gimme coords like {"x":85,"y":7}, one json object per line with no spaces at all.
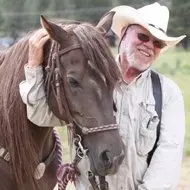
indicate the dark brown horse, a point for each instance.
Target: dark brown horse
{"x":79,"y":74}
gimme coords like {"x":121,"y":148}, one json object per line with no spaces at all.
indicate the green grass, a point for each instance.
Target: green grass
{"x":65,"y":143}
{"x":175,"y":64}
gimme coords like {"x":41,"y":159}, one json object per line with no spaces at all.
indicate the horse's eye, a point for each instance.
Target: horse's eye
{"x":114,"y":107}
{"x":73,"y":82}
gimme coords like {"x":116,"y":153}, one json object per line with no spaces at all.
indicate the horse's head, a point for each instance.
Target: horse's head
{"x":79,"y":80}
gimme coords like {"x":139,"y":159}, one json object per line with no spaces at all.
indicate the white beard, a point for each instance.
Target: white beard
{"x":134,"y":61}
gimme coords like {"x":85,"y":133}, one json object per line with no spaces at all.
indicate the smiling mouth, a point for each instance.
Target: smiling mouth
{"x":144,"y":53}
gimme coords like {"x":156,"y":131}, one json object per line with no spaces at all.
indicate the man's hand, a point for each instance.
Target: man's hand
{"x":36,"y":44}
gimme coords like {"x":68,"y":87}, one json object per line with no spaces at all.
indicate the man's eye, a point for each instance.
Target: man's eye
{"x":73,"y":82}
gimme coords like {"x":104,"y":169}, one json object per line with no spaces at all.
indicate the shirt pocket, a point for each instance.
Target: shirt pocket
{"x":146,"y":129}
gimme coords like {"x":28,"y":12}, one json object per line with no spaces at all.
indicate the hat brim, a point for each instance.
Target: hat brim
{"x":125,"y":16}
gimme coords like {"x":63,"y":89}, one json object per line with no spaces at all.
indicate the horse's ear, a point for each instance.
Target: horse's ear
{"x":105,"y":22}
{"x":55,"y":32}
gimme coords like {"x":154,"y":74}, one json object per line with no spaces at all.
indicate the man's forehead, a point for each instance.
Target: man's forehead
{"x":133,"y":27}
{"x":136,"y":27}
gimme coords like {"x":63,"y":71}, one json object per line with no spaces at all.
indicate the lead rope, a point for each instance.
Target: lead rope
{"x":65,"y":172}
{"x":59,"y":155}
{"x":92,"y":180}
{"x":70,"y":172}
{"x":103,"y":184}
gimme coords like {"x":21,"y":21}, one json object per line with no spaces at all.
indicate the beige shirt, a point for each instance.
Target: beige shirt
{"x":136,"y":108}
{"x":33,"y":95}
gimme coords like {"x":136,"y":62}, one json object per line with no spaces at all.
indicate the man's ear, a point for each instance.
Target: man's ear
{"x":55,"y":32}
{"x":105,"y":23}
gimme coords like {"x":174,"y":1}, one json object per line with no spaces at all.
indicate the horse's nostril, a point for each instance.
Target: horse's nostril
{"x":107,"y":159}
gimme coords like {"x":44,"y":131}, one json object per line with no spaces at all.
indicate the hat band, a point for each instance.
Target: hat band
{"x":157,"y":28}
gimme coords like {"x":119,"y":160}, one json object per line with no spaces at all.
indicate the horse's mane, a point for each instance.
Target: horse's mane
{"x":15,"y":130}
{"x":13,"y":119}
{"x":97,"y":50}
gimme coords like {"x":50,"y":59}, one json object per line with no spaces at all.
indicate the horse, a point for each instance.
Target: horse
{"x":79,"y":77}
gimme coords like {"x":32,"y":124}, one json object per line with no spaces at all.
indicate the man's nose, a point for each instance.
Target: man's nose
{"x":149,"y":44}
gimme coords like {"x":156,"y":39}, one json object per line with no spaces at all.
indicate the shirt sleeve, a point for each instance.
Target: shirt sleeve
{"x":33,"y":95}
{"x":163,"y":172}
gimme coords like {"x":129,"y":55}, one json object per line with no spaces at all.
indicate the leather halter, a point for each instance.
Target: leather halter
{"x":4,"y":154}
{"x":91,"y":130}
{"x":56,"y":59}
{"x":66,"y":170}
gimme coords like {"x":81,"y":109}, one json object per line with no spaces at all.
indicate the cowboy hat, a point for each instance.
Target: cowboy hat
{"x":153,"y":17}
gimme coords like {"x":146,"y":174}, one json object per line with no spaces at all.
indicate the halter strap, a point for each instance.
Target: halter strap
{"x":97,"y":129}
{"x":56,"y":57}
{"x":4,"y":154}
{"x":68,"y":49}
{"x":66,"y":170}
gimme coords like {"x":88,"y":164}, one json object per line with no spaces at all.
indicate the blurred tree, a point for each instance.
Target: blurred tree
{"x":19,"y":15}
{"x":90,"y":10}
{"x":10,"y":22}
{"x":135,"y":3}
{"x":32,"y":17}
{"x":179,"y":20}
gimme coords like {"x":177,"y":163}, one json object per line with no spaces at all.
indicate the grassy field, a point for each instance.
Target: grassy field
{"x":176,"y":65}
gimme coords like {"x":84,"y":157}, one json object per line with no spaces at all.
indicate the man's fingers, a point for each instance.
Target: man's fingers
{"x":36,"y":43}
{"x":41,"y":32}
{"x":43,"y":40}
{"x":38,"y":36}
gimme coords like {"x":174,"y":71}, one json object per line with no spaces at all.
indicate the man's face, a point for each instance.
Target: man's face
{"x":139,"y":48}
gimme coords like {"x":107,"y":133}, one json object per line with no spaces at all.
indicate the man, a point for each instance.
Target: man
{"x":143,"y":37}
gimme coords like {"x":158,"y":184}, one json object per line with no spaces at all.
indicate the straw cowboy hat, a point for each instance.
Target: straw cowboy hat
{"x":153,"y":17}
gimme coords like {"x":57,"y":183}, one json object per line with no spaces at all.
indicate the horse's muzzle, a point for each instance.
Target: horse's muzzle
{"x":109,"y":163}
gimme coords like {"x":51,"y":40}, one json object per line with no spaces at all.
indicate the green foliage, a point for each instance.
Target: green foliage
{"x":64,"y":140}
{"x":179,"y":19}
{"x":8,"y":21}
{"x":175,"y":64}
{"x":16,"y":16}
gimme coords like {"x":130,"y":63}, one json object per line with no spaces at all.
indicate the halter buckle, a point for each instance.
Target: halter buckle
{"x":80,"y":151}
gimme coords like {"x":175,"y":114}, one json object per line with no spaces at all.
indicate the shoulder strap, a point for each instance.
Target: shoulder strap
{"x":157,"y":93}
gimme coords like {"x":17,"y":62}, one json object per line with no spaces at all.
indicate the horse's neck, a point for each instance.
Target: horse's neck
{"x":44,"y":138}
{"x":2,"y":57}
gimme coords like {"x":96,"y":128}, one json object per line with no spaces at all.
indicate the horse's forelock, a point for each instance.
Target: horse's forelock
{"x":97,"y":50}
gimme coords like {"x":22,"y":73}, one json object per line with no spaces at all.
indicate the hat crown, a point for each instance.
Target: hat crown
{"x":154,"y":18}
{"x":155,"y":15}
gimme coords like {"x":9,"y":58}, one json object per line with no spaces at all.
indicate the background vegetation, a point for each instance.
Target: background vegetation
{"x":175,"y":64}
{"x":20,"y":16}
{"x":23,"y":15}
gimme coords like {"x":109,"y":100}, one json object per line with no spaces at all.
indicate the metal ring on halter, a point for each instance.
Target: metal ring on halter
{"x":81,"y":153}
{"x":77,"y":139}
